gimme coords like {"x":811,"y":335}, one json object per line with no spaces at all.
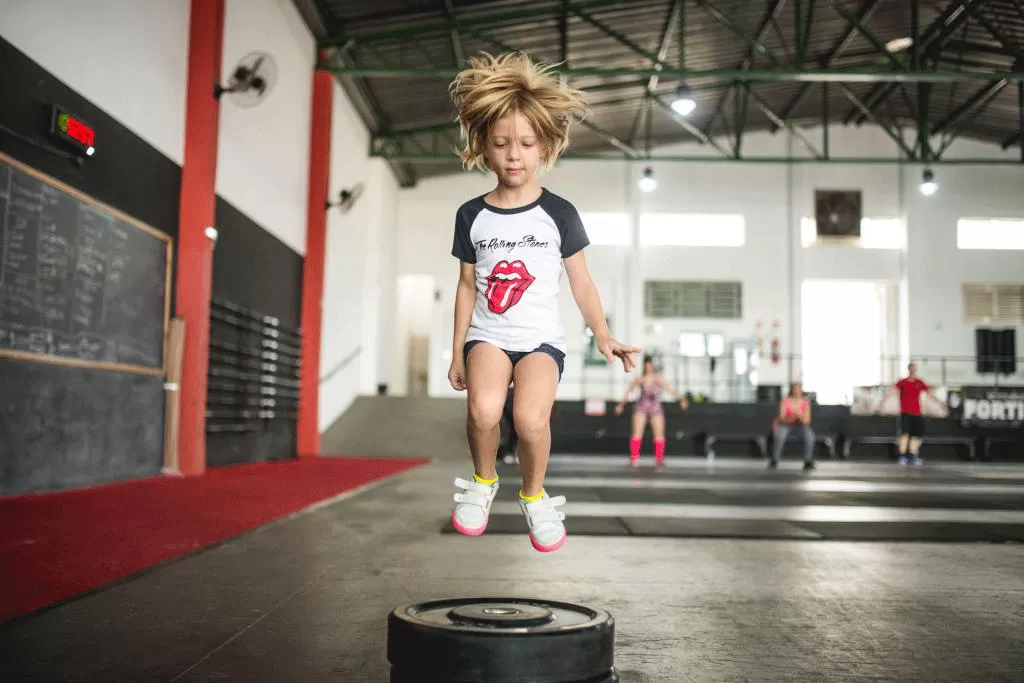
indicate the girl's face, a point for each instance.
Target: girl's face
{"x":798,"y":390}
{"x":649,"y":367}
{"x":513,"y":151}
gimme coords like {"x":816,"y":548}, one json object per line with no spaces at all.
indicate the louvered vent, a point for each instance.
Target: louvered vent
{"x":994,"y":304}
{"x":688,"y":299}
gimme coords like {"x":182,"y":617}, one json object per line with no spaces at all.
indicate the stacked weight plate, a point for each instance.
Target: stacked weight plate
{"x":500,"y":640}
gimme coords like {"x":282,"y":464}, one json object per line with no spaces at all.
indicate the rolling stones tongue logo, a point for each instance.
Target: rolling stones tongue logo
{"x":506,"y":284}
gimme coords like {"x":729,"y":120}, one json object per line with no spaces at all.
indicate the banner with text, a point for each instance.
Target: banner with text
{"x":988,"y":406}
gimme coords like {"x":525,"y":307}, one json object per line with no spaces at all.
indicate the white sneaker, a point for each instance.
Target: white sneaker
{"x":547,"y":533}
{"x":474,"y":506}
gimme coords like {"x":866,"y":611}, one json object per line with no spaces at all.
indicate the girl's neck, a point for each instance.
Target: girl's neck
{"x":505,"y":197}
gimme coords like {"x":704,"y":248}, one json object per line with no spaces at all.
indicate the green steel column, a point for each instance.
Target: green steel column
{"x":682,"y":36}
{"x":824,"y":119}
{"x":742,"y":95}
{"x":915,"y":34}
{"x":924,"y":120}
{"x":1020,"y":112}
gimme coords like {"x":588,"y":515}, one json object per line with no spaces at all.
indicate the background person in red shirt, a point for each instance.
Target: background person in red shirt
{"x":910,"y":389}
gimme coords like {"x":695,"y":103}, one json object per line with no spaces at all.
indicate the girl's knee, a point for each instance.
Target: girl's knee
{"x":485,"y":412}
{"x":531,"y":422}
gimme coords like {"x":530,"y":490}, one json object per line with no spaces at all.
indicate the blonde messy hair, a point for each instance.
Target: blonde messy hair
{"x":493,"y":87}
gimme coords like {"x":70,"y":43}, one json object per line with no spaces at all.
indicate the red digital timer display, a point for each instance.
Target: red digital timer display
{"x":74,"y":129}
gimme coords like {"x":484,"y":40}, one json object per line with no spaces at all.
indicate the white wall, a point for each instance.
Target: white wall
{"x":128,"y":57}
{"x":772,"y":264}
{"x":263,"y":159}
{"x":358,"y":266}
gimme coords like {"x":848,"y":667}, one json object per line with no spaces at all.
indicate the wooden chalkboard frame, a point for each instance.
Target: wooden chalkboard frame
{"x":135,"y":223}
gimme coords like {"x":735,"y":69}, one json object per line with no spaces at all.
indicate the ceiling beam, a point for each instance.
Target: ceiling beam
{"x":762,"y":75}
{"x":975,"y":104}
{"x":748,"y":60}
{"x":934,"y":37}
{"x":900,"y":142}
{"x":612,"y":140}
{"x":779,"y":122}
{"x":863,"y":14}
{"x":551,"y":9}
{"x":689,"y":127}
{"x":321,"y":24}
{"x":858,"y":24}
{"x":996,"y":32}
{"x":458,"y":56}
{"x":674,"y":17}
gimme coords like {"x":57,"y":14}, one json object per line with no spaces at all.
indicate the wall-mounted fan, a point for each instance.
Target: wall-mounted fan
{"x":251,"y":81}
{"x":347,"y":197}
{"x":837,"y":213}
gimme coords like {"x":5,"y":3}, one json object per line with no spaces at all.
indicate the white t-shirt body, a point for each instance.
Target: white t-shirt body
{"x":518,"y":258}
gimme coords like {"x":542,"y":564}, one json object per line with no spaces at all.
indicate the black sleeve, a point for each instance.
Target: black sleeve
{"x":462,"y":245}
{"x":570,"y":226}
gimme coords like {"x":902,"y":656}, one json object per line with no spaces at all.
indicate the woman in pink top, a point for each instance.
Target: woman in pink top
{"x":648,"y":407}
{"x":794,"y":413}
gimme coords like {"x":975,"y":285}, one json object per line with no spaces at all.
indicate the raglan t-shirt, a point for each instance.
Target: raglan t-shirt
{"x":518,"y":258}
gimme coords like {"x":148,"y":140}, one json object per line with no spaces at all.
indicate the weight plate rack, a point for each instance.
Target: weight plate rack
{"x":253,"y":377}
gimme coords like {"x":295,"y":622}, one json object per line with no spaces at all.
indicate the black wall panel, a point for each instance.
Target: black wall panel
{"x":62,"y":426}
{"x":255,"y":270}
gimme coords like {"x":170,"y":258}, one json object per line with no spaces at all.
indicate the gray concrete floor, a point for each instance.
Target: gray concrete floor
{"x":306,"y":599}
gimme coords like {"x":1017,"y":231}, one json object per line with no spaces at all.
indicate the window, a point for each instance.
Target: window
{"x":606,"y":228}
{"x":692,"y":230}
{"x":679,"y":299}
{"x":994,"y":304}
{"x":989,"y":233}
{"x":875,"y":233}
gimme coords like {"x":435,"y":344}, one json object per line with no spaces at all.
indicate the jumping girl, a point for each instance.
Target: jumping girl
{"x":513,"y":244}
{"x":648,"y":407}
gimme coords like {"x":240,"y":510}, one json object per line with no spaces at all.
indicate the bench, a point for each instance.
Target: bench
{"x":891,"y":440}
{"x":989,"y":440}
{"x":711,"y":439}
{"x":829,"y":442}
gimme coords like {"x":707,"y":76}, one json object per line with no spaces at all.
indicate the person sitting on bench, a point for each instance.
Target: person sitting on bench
{"x":794,"y":413}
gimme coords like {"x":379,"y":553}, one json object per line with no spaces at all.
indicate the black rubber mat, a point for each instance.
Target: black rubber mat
{"x":583,"y":526}
{"x":715,"y":528}
{"x":666,"y":527}
{"x":916,"y":531}
{"x":581,"y":495}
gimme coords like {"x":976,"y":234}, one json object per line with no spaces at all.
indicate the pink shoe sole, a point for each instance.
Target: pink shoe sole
{"x":464,"y":530}
{"x":549,"y":548}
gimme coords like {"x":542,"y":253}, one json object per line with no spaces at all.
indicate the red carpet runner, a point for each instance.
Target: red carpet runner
{"x":56,"y":545}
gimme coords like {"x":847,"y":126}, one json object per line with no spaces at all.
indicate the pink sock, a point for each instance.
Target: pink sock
{"x":634,"y":448}
{"x":659,"y":450}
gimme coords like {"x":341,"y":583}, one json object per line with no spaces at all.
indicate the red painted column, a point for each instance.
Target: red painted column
{"x":308,"y":437}
{"x":194,"y":274}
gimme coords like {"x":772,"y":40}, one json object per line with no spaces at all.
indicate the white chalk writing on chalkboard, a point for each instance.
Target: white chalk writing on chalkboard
{"x":77,"y":280}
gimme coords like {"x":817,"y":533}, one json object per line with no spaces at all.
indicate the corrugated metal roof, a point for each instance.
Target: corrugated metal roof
{"x":956,"y":35}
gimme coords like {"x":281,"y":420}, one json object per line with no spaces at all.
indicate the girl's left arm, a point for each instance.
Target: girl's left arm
{"x":670,"y":390}
{"x":589,"y":302}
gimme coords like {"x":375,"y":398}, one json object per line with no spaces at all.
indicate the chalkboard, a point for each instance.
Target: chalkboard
{"x":80,"y":283}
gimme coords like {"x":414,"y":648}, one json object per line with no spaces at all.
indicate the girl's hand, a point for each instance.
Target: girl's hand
{"x":619,"y":407}
{"x":611,"y":349}
{"x":684,"y":404}
{"x":457,"y":374}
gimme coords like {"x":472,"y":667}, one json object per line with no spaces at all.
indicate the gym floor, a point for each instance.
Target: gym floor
{"x":306,"y":599}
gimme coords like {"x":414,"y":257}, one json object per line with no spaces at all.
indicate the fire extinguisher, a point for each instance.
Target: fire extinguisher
{"x":776,"y":344}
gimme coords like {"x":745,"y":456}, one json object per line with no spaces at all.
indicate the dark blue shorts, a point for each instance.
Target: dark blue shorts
{"x":516,"y":356}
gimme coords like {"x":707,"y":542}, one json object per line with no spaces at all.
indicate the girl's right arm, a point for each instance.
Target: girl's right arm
{"x":629,"y":390}
{"x":465,"y":300}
